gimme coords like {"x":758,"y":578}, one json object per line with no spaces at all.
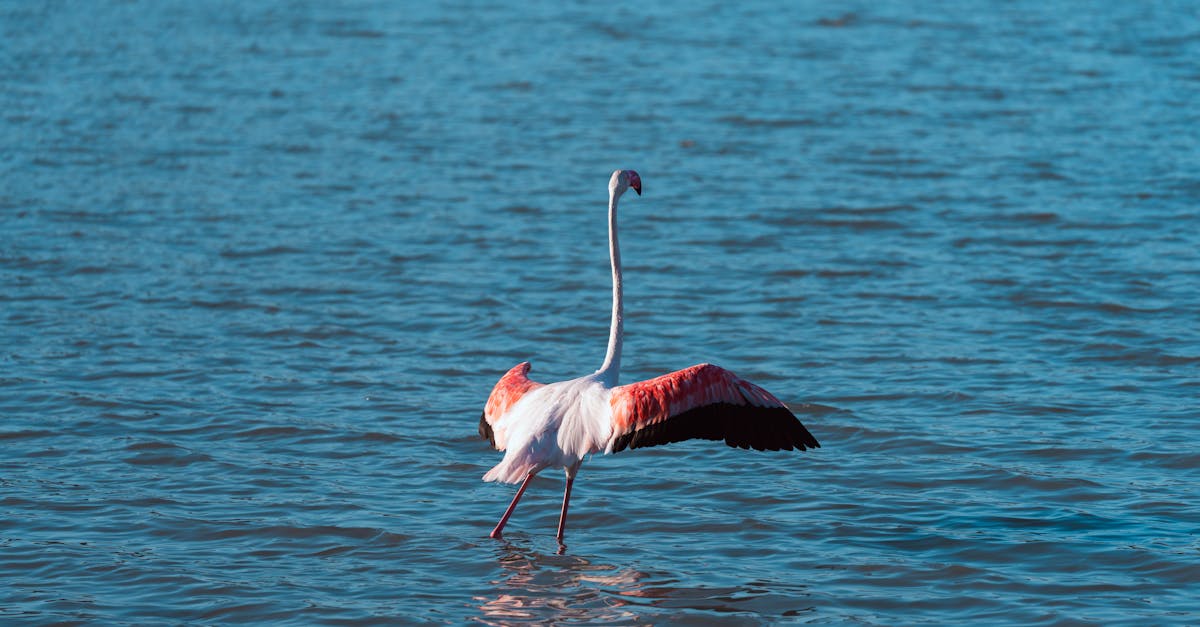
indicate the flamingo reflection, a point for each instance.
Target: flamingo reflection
{"x":538,"y":587}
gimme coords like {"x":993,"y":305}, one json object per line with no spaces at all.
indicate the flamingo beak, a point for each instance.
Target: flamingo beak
{"x":636,"y":184}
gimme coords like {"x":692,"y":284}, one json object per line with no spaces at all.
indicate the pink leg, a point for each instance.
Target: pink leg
{"x":500,"y":526}
{"x":562,"y":519}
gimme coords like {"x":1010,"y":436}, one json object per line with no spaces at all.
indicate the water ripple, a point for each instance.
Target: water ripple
{"x":260,"y":268}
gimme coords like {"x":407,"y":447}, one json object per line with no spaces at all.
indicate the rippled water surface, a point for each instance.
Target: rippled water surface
{"x":261,"y":263}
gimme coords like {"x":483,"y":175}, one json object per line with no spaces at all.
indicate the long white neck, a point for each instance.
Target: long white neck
{"x":612,"y":360}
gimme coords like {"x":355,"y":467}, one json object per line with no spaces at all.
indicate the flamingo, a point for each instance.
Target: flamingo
{"x":540,"y":426}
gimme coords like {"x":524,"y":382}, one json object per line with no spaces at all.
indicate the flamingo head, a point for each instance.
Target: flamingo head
{"x":624,"y":179}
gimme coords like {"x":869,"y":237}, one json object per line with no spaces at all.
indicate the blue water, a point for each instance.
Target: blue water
{"x":261,"y":263}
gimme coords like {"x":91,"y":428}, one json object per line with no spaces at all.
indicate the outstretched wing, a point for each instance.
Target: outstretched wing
{"x":706,"y":402}
{"x":508,"y":390}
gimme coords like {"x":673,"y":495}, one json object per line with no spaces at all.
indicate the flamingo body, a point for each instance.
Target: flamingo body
{"x":556,"y":425}
{"x":551,"y":426}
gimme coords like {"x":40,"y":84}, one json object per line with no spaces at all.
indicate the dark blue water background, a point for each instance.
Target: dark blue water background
{"x":260,"y":264}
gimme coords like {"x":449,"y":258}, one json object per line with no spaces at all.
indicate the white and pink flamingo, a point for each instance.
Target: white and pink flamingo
{"x":555,"y":425}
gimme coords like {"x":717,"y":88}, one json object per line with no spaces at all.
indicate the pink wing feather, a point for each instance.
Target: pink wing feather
{"x":703,"y":401}
{"x":508,"y":390}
